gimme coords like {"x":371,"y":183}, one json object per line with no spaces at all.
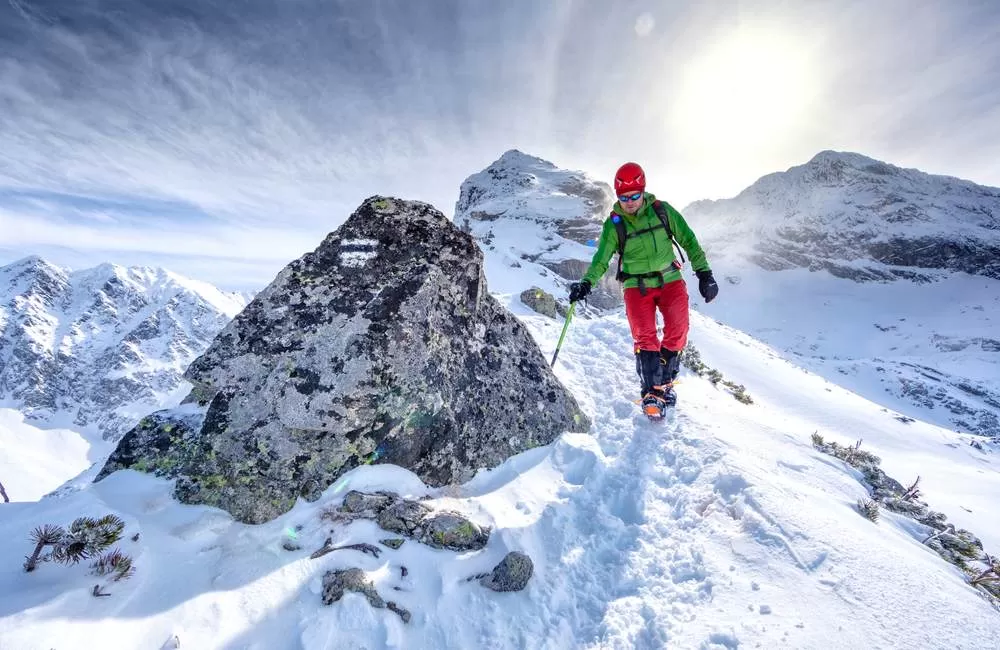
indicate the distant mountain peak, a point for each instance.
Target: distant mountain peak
{"x":516,"y":157}
{"x":527,"y":213}
{"x":847,"y":157}
{"x":31,"y":263}
{"x":102,"y":346}
{"x":858,"y":217}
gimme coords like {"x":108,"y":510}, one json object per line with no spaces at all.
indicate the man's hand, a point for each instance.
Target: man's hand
{"x":707,"y":286}
{"x":579,"y":290}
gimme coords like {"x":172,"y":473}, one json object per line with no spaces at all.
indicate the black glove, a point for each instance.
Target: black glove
{"x":707,"y":286}
{"x":579,"y":290}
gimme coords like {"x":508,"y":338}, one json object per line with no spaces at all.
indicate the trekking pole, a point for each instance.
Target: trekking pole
{"x":569,"y":317}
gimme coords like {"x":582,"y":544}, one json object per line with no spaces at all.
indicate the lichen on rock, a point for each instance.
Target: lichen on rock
{"x":381,"y":346}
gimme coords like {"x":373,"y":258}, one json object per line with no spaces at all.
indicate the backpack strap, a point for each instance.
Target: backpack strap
{"x":661,"y":212}
{"x":622,"y":236}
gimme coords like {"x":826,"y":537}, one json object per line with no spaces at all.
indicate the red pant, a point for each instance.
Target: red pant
{"x":672,"y":301}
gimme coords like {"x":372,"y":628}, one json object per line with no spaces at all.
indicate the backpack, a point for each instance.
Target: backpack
{"x":619,"y":225}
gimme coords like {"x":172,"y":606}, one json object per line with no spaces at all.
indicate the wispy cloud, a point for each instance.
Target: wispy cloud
{"x":131,"y":127}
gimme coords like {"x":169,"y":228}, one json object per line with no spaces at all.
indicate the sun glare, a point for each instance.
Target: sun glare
{"x":749,"y":89}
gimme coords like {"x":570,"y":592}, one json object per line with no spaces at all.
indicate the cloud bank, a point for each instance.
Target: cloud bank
{"x":224,"y":139}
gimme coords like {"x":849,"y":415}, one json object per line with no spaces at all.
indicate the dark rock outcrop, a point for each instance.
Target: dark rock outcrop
{"x":337,"y":583}
{"x":543,"y":302}
{"x":413,"y":519}
{"x":381,"y":346}
{"x":512,"y":574}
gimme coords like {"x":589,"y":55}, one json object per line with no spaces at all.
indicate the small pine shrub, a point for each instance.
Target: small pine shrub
{"x":739,"y":392}
{"x":869,"y":509}
{"x":85,"y":538}
{"x":817,"y":440}
{"x":116,"y":564}
{"x":691,"y":359}
{"x":991,"y":576}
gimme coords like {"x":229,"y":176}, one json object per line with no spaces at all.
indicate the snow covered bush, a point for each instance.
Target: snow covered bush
{"x":115,"y":564}
{"x":869,"y":509}
{"x":989,"y":577}
{"x":959,"y":547}
{"x":85,"y":538}
{"x":691,"y":359}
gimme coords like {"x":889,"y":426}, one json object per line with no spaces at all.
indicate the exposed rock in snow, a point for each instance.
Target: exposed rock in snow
{"x":512,"y":574}
{"x":407,"y":360}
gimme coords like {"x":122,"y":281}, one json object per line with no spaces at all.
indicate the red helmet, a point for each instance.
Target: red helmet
{"x":630,"y":178}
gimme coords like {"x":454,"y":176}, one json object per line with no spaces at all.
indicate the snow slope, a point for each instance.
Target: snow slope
{"x":721,"y":528}
{"x":33,"y":461}
{"x":882,"y":279}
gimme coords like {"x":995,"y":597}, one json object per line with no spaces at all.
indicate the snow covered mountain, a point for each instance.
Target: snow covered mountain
{"x":884,"y":280}
{"x":539,"y":221}
{"x":98,"y":349}
{"x":858,"y":218}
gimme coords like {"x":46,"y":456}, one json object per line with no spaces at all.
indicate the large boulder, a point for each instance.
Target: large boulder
{"x":381,"y":346}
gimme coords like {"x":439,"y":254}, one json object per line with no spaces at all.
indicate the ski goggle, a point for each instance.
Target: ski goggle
{"x":630,"y":197}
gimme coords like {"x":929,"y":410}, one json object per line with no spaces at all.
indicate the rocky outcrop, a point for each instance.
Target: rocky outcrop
{"x":381,"y":346}
{"x":413,"y":519}
{"x":337,"y":583}
{"x":543,"y":302}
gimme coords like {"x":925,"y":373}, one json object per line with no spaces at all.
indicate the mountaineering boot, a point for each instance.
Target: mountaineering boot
{"x":670,"y":361}
{"x":654,"y":404}
{"x":650,"y":371}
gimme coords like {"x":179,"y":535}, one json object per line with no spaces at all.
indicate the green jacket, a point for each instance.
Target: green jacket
{"x":648,"y":252}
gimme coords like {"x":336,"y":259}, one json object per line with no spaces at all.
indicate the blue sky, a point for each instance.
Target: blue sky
{"x":224,"y":139}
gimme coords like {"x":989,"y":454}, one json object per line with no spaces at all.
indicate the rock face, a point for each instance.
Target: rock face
{"x":102,"y":347}
{"x":382,"y":345}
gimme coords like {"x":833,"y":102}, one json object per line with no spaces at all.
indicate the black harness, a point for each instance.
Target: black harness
{"x":623,"y":235}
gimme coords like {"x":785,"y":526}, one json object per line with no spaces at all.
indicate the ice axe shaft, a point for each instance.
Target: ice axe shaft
{"x":569,"y":317}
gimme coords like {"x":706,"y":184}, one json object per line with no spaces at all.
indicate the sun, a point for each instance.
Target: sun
{"x":752,"y":87}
